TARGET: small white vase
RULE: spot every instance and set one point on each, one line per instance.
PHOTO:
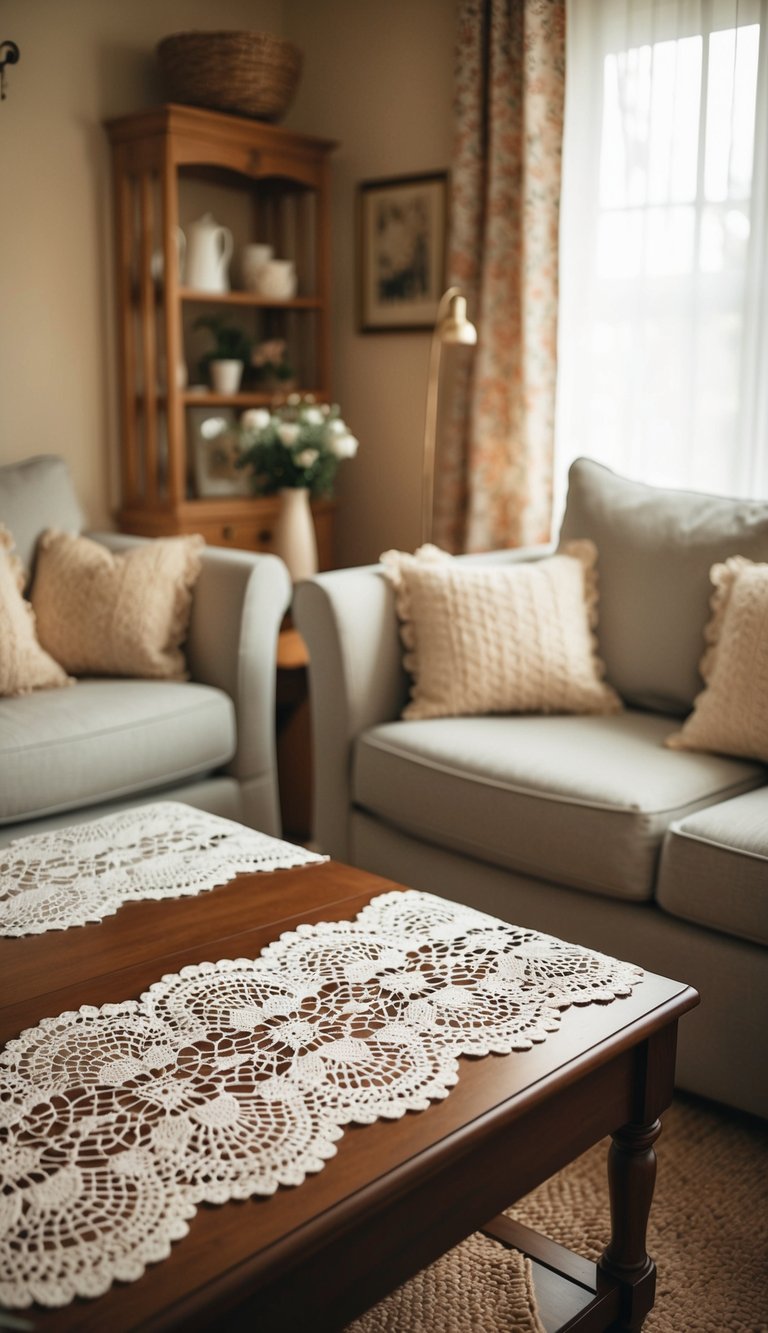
(226, 376)
(277, 280)
(295, 533)
(253, 259)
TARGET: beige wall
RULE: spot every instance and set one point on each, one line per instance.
(81, 60)
(377, 78)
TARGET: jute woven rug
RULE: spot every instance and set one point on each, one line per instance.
(708, 1234)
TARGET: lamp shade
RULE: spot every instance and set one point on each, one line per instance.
(456, 328)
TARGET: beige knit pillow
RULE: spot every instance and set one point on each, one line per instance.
(24, 665)
(106, 613)
(515, 638)
(730, 716)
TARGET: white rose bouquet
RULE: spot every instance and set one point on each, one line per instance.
(300, 443)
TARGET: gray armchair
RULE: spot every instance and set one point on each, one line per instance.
(589, 828)
(71, 754)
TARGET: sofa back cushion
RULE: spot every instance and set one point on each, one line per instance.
(34, 495)
(655, 550)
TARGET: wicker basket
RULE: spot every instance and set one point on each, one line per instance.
(248, 73)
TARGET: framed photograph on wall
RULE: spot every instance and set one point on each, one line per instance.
(214, 452)
(401, 251)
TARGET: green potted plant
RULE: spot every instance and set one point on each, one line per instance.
(223, 365)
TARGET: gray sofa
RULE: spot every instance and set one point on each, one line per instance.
(70, 754)
(584, 827)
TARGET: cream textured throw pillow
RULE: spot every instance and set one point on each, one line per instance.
(24, 665)
(730, 716)
(106, 613)
(515, 638)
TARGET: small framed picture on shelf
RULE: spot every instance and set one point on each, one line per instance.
(401, 251)
(214, 453)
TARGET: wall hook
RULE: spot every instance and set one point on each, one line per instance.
(9, 55)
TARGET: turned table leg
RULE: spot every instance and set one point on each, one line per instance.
(631, 1178)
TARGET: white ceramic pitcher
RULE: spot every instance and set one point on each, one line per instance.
(209, 250)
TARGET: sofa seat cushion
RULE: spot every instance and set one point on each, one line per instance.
(583, 801)
(103, 739)
(714, 868)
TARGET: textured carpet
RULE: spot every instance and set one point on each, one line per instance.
(708, 1234)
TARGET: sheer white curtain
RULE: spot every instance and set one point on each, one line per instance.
(663, 332)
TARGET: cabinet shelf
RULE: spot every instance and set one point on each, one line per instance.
(245, 399)
(249, 299)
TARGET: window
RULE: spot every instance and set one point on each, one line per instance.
(663, 344)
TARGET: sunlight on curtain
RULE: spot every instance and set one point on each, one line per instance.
(663, 335)
(496, 455)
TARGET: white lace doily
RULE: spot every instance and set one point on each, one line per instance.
(82, 873)
(232, 1078)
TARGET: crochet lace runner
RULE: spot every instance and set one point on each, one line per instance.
(80, 874)
(230, 1079)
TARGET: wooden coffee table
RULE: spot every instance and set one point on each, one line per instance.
(398, 1194)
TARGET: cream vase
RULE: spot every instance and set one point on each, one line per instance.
(295, 533)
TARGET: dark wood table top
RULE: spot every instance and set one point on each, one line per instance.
(544, 1106)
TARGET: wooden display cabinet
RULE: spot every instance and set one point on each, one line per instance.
(268, 184)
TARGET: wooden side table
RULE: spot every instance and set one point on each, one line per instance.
(294, 737)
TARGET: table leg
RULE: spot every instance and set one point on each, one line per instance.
(631, 1178)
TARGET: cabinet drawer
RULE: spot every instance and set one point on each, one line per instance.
(246, 525)
(248, 534)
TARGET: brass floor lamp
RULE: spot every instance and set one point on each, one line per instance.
(451, 327)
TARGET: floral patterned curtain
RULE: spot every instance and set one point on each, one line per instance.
(494, 473)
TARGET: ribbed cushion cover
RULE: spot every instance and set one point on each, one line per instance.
(499, 639)
(731, 713)
(102, 739)
(655, 550)
(126, 613)
(24, 665)
(36, 494)
(714, 868)
(581, 801)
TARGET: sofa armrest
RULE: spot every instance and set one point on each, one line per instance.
(348, 621)
(238, 603)
(356, 679)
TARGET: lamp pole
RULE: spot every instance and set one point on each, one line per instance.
(451, 326)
